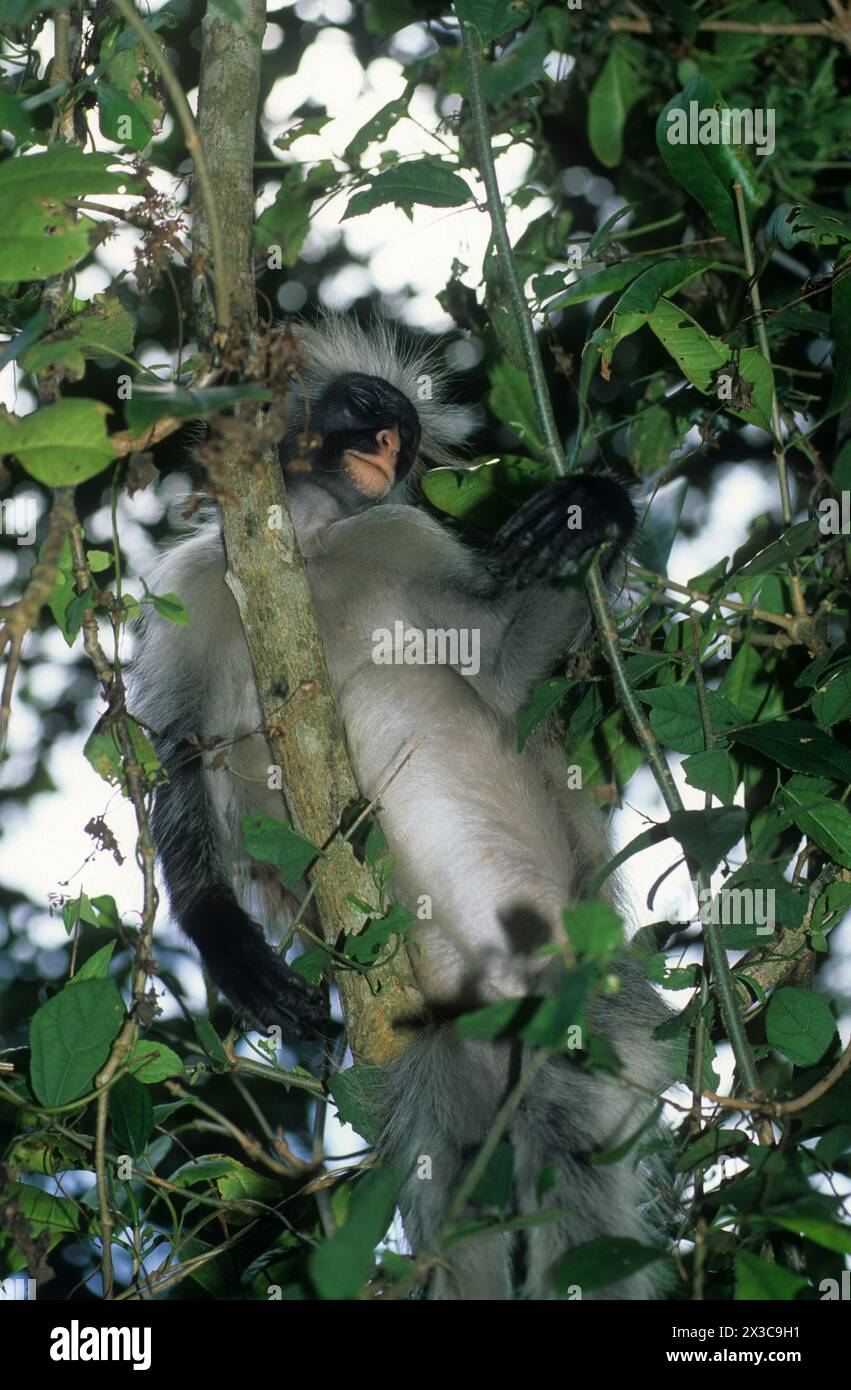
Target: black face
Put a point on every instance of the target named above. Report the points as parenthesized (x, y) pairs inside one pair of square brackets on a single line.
[(366, 430)]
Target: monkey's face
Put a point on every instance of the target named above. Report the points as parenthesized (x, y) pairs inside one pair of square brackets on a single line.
[(364, 430)]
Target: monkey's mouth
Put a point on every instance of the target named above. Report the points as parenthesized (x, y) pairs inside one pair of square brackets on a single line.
[(384, 463)]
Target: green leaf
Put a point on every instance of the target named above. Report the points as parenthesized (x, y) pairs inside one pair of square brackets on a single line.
[(595, 930), (615, 92), (799, 745), (211, 1043), (59, 445), (789, 546), (286, 222), (712, 771), (427, 181), (705, 836), (153, 1061), (131, 1115), (275, 842), (761, 1279), (832, 1235), (102, 329), (493, 18), (377, 128), (354, 1091), (676, 720), (700, 357), (799, 1024), (706, 171), (342, 1263), (545, 698), (825, 821), (831, 703), (639, 301), (65, 172), (149, 403), (170, 607), (96, 967), (601, 1262), (598, 282), (70, 1038), (511, 400)]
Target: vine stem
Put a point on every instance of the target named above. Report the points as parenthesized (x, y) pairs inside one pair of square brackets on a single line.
[(722, 978), (776, 423), (192, 141), (507, 263)]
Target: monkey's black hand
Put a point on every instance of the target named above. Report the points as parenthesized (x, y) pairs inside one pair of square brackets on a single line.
[(555, 530)]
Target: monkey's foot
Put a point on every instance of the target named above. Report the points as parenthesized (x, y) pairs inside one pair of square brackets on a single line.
[(550, 535)]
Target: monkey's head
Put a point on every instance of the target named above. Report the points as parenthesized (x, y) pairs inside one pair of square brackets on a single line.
[(364, 432), (353, 425)]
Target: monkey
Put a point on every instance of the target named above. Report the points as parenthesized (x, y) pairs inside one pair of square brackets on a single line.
[(492, 838)]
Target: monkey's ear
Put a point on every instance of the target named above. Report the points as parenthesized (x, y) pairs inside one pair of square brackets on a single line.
[(559, 528)]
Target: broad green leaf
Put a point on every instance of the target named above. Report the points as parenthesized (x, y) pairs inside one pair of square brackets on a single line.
[(831, 703), (123, 120), (616, 90), (102, 329), (64, 171), (545, 698), (493, 18), (148, 402), (598, 282), (601, 1262), (676, 718), (799, 1024), (775, 556), (59, 445), (427, 181), (638, 302), (354, 1091), (706, 170), (763, 1280), (70, 1038), (153, 1061), (511, 400), (341, 1264), (823, 820), (712, 771), (800, 746), (595, 930), (701, 357), (96, 967), (131, 1115), (275, 842)]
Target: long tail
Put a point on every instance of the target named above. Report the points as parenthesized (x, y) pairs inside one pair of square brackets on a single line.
[(235, 953), (440, 1099)]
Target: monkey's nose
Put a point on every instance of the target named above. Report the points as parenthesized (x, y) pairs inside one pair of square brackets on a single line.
[(388, 441)]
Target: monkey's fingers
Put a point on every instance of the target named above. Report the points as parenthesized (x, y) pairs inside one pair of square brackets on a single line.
[(555, 530), (264, 989)]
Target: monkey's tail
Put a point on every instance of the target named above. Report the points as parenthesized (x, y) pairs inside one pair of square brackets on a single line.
[(259, 984), (440, 1100)]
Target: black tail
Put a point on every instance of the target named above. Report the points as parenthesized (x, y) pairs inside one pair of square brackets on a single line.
[(235, 953)]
